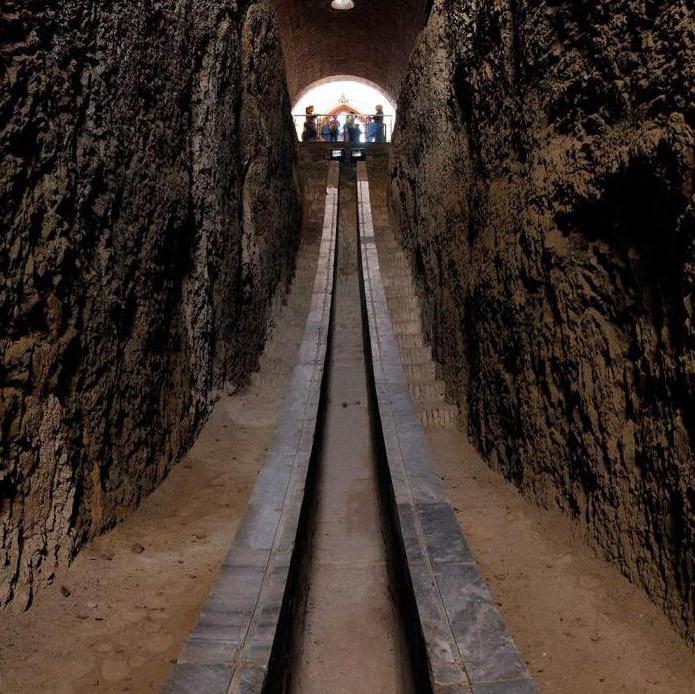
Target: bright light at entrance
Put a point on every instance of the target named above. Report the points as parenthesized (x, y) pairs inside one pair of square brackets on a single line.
[(342, 4), (345, 100)]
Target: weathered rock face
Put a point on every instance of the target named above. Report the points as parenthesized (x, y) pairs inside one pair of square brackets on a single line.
[(140, 238), (544, 182)]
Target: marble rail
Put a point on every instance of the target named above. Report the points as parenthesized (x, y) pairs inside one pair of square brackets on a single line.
[(241, 632), (458, 640)]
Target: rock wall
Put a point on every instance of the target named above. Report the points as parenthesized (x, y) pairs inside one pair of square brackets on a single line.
[(543, 183), (149, 212)]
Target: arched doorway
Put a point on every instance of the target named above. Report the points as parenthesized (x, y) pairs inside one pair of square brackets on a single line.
[(342, 102)]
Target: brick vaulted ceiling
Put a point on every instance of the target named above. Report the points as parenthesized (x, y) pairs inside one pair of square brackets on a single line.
[(373, 41)]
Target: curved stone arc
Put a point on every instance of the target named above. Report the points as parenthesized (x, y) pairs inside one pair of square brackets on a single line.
[(344, 78)]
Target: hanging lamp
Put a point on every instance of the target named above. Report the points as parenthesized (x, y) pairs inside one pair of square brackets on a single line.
[(342, 4)]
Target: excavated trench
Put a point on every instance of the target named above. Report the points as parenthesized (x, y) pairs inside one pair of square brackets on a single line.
[(352, 616), (349, 572), (542, 253)]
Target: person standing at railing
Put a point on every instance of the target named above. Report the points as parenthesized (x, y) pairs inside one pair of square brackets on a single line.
[(352, 130), (347, 128), (310, 134), (356, 133), (371, 129), (379, 135), (334, 128), (326, 130)]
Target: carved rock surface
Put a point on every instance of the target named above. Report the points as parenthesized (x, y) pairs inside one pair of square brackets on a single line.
[(544, 187), (149, 213)]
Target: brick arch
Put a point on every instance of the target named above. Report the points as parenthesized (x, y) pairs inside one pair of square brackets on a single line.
[(372, 42), (344, 78)]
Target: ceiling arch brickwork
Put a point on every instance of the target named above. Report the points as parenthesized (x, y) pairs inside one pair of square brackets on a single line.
[(373, 41)]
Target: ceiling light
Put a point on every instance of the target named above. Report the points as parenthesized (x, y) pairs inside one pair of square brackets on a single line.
[(342, 4)]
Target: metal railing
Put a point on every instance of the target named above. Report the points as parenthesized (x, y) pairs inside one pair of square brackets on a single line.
[(344, 128)]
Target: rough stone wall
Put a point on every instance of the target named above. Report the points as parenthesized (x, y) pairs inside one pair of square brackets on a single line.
[(543, 182), (139, 237)]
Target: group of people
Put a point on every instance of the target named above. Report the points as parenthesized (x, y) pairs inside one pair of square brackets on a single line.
[(330, 128)]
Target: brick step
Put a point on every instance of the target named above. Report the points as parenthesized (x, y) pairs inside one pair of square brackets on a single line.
[(405, 288), (393, 261), (390, 253), (379, 202), (386, 242), (306, 264), (266, 378), (407, 327), (423, 372), (308, 271), (309, 267), (405, 302), (305, 278), (275, 362), (302, 291), (309, 252), (311, 235), (286, 328), (277, 349), (301, 301), (433, 391), (437, 415), (404, 295), (400, 281), (289, 330), (416, 356), (402, 314), (310, 246), (410, 341)]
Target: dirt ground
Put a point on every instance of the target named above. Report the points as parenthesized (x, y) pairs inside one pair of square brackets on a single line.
[(135, 592), (582, 627)]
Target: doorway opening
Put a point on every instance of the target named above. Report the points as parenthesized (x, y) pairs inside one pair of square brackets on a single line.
[(344, 109)]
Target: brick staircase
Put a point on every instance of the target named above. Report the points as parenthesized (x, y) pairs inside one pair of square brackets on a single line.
[(286, 334), (427, 391)]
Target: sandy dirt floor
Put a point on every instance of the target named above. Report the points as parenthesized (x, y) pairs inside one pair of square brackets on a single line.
[(135, 592), (582, 627)]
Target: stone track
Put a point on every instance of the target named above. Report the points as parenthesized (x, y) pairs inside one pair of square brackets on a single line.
[(350, 572)]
